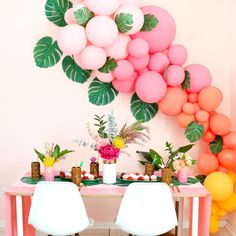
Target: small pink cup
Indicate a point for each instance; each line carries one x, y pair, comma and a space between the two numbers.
48, 173
183, 176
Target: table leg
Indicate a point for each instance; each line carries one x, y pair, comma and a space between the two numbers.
195, 214
19, 216
180, 216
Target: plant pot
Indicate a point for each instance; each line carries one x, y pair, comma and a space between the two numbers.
94, 168
35, 170
76, 175
166, 175
183, 176
48, 173
109, 172
149, 168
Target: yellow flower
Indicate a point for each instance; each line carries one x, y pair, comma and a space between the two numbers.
48, 161
118, 142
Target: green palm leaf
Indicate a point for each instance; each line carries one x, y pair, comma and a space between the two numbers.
194, 131
124, 22
150, 22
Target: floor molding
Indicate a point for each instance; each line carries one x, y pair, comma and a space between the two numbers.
230, 228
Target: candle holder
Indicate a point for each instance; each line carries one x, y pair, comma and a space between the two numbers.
149, 168
76, 175
35, 170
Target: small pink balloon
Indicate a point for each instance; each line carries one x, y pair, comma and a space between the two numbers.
145, 69
159, 62
200, 77
150, 87
124, 70
132, 2
177, 54
101, 31
76, 1
78, 61
175, 75
104, 77
119, 48
138, 47
125, 86
139, 63
69, 16
93, 57
72, 39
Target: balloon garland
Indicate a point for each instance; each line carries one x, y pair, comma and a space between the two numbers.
130, 50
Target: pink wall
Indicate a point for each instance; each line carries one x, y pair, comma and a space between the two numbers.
39, 106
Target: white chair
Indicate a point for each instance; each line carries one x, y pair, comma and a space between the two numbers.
58, 209
147, 209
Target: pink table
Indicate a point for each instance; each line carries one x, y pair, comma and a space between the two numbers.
18, 199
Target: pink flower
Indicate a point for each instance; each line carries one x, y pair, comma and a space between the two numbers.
101, 142
93, 159
109, 152
178, 165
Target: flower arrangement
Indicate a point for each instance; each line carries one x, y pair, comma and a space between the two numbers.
52, 154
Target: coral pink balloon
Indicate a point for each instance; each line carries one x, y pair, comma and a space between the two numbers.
208, 137
175, 75
101, 31
161, 37
222, 169
227, 158
145, 69
93, 58
137, 15
72, 39
150, 87
220, 124
133, 2
229, 140
124, 70
184, 120
193, 97
202, 116
103, 7
139, 63
171, 103
104, 77
200, 77
119, 48
207, 163
138, 47
158, 62
205, 124
69, 16
177, 54
210, 98
125, 86
188, 108
196, 107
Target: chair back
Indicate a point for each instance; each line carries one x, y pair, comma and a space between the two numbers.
147, 209
57, 208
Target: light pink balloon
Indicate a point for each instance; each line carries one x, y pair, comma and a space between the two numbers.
125, 86
119, 48
145, 69
124, 70
177, 54
138, 47
158, 62
103, 7
175, 75
132, 2
69, 16
104, 77
150, 87
78, 61
76, 1
72, 39
200, 77
161, 37
138, 17
93, 58
101, 31
139, 63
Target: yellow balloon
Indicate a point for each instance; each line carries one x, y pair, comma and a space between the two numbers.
229, 204
219, 185
232, 176
220, 214
214, 208
214, 224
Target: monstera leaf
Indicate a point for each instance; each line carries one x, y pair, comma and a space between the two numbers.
141, 110
124, 22
101, 93
194, 131
46, 52
216, 146
73, 71
150, 22
55, 11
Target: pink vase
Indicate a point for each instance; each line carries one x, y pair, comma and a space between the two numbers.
49, 173
183, 176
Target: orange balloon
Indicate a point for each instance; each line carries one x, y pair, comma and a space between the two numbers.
205, 124
202, 116
188, 108
220, 124
208, 136
172, 102
214, 224
229, 140
214, 208
227, 158
192, 97
228, 204
196, 107
222, 169
184, 120
210, 98
232, 176
207, 163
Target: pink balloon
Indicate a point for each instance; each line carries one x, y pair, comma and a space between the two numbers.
78, 61
138, 47
150, 87
177, 54
72, 39
104, 77
101, 31
119, 48
161, 37
200, 77
145, 69
93, 57
175, 75
159, 62
139, 63
69, 16
124, 70
133, 2
125, 86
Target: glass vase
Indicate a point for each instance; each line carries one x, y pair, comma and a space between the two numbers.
166, 175
109, 171
48, 173
183, 176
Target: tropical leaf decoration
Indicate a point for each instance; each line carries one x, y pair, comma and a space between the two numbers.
73, 71
109, 66
83, 15
194, 131
141, 110
216, 146
150, 22
55, 11
101, 93
46, 52
186, 83
124, 22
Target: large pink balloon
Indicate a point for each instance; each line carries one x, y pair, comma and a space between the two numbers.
139, 63
175, 75
161, 37
72, 39
69, 16
177, 54
124, 70
150, 87
104, 77
138, 47
159, 62
101, 31
200, 77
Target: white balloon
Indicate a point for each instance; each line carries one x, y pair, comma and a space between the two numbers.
133, 2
